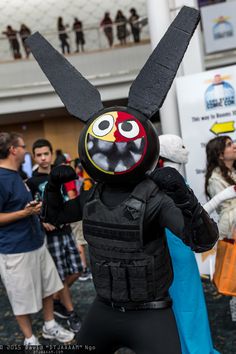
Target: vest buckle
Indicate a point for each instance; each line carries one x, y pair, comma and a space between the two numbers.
117, 307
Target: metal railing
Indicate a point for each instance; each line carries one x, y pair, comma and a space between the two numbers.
95, 39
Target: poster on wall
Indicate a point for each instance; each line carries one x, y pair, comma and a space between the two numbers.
219, 26
207, 108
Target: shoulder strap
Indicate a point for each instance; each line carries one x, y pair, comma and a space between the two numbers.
144, 190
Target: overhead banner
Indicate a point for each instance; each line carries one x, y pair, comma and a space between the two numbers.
219, 26
207, 108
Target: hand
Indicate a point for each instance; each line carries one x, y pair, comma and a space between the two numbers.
62, 174
33, 208
228, 193
170, 181
48, 227
32, 203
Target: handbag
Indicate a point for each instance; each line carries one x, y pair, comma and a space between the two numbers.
224, 277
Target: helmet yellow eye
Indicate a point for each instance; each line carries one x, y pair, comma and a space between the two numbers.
103, 125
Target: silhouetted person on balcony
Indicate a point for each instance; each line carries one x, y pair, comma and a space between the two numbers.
121, 21
63, 35
25, 32
135, 28
14, 43
106, 24
79, 34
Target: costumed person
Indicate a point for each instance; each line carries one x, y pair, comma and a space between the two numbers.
125, 214
186, 290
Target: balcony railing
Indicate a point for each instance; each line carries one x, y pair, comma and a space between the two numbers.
95, 40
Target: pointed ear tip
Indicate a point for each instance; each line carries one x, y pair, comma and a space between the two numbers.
34, 35
190, 9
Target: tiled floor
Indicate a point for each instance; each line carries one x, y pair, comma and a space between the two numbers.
223, 329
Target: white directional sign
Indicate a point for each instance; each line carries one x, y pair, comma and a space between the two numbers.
207, 108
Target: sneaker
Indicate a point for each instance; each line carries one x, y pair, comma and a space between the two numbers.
85, 275
33, 342
74, 322
59, 310
59, 333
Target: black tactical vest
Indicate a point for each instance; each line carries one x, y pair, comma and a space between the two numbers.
122, 270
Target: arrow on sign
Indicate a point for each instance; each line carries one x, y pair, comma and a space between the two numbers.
222, 128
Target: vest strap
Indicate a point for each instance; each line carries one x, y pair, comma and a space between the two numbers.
118, 255
144, 190
92, 240
152, 305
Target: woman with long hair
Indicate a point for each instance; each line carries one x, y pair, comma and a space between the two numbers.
121, 21
220, 174
106, 24
63, 36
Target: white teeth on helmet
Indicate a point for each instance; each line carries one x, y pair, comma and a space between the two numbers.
90, 145
136, 157
138, 143
120, 167
121, 147
101, 161
104, 145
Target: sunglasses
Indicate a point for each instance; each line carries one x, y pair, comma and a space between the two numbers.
22, 146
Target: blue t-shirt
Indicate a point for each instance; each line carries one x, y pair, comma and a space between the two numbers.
26, 234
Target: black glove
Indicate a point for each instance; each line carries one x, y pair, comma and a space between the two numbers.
173, 184
62, 174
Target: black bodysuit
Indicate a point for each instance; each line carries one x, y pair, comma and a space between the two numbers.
108, 327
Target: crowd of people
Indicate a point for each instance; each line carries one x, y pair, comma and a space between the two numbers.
12, 35
141, 219
61, 259
43, 257
120, 24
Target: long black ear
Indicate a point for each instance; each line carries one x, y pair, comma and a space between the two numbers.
151, 86
79, 96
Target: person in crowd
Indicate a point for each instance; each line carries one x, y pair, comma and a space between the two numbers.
135, 27
186, 290
77, 226
220, 175
63, 36
22, 173
26, 267
25, 32
107, 26
13, 41
73, 189
121, 29
60, 157
79, 34
60, 242
125, 214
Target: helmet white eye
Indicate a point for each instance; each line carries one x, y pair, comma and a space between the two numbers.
103, 125
129, 129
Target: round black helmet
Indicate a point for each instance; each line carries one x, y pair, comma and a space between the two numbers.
118, 145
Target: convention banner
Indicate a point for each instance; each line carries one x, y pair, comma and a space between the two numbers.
207, 108
219, 26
